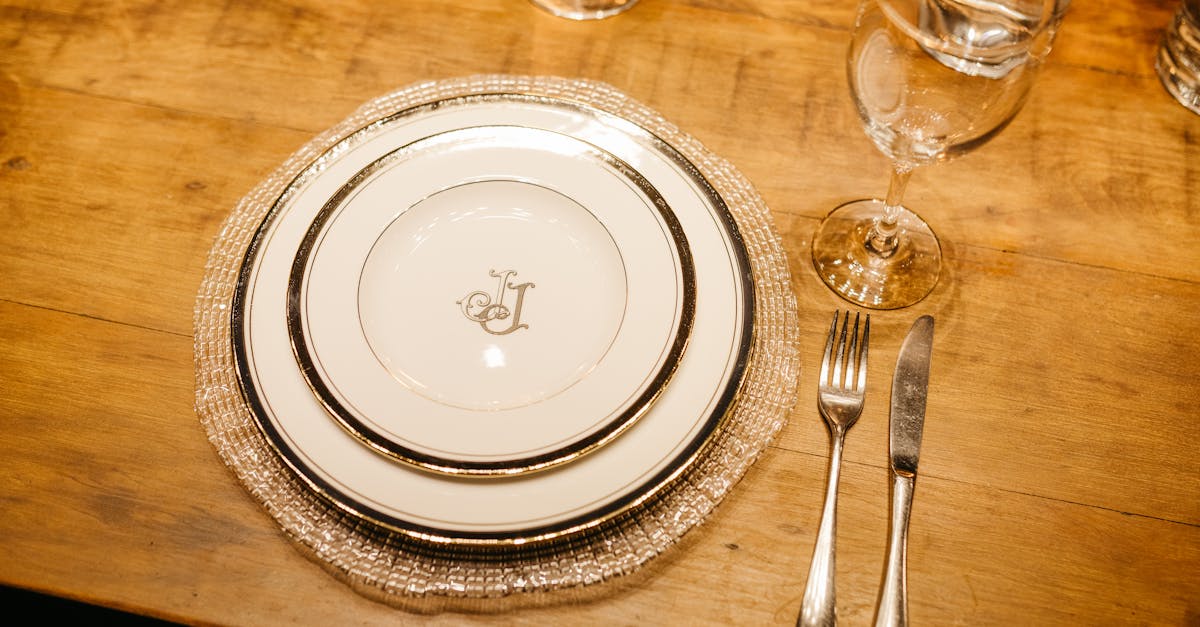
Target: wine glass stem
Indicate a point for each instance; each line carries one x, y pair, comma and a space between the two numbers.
884, 236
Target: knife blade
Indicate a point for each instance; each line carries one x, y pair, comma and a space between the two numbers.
910, 385
910, 389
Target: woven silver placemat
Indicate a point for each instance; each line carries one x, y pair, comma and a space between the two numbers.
402, 571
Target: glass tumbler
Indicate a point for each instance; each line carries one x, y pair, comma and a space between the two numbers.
1178, 62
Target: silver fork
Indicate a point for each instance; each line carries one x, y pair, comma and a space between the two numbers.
840, 394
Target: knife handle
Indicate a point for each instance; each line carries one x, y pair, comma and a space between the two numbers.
892, 610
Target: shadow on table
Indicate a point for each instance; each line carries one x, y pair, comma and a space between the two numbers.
39, 607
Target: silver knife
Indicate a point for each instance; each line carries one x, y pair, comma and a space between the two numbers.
910, 386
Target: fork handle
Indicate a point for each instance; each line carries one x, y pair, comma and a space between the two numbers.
819, 608
892, 610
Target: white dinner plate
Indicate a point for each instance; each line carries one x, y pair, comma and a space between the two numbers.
627, 471
491, 300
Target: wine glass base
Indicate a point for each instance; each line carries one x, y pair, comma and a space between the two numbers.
862, 276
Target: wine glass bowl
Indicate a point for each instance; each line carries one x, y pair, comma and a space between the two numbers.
931, 80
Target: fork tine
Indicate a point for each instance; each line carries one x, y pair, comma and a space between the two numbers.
851, 353
839, 363
862, 355
828, 350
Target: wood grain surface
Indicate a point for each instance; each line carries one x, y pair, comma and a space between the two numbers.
1061, 461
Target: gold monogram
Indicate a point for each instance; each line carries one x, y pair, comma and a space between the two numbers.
480, 307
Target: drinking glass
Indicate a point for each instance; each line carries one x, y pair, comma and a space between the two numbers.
585, 9
931, 79
1178, 59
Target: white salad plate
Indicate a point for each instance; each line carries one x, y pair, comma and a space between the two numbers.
491, 300
378, 259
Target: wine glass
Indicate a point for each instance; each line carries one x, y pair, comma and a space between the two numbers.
931, 79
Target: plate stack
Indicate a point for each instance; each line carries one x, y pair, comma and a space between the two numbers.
493, 336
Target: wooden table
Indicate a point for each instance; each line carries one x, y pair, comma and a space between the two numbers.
1061, 464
